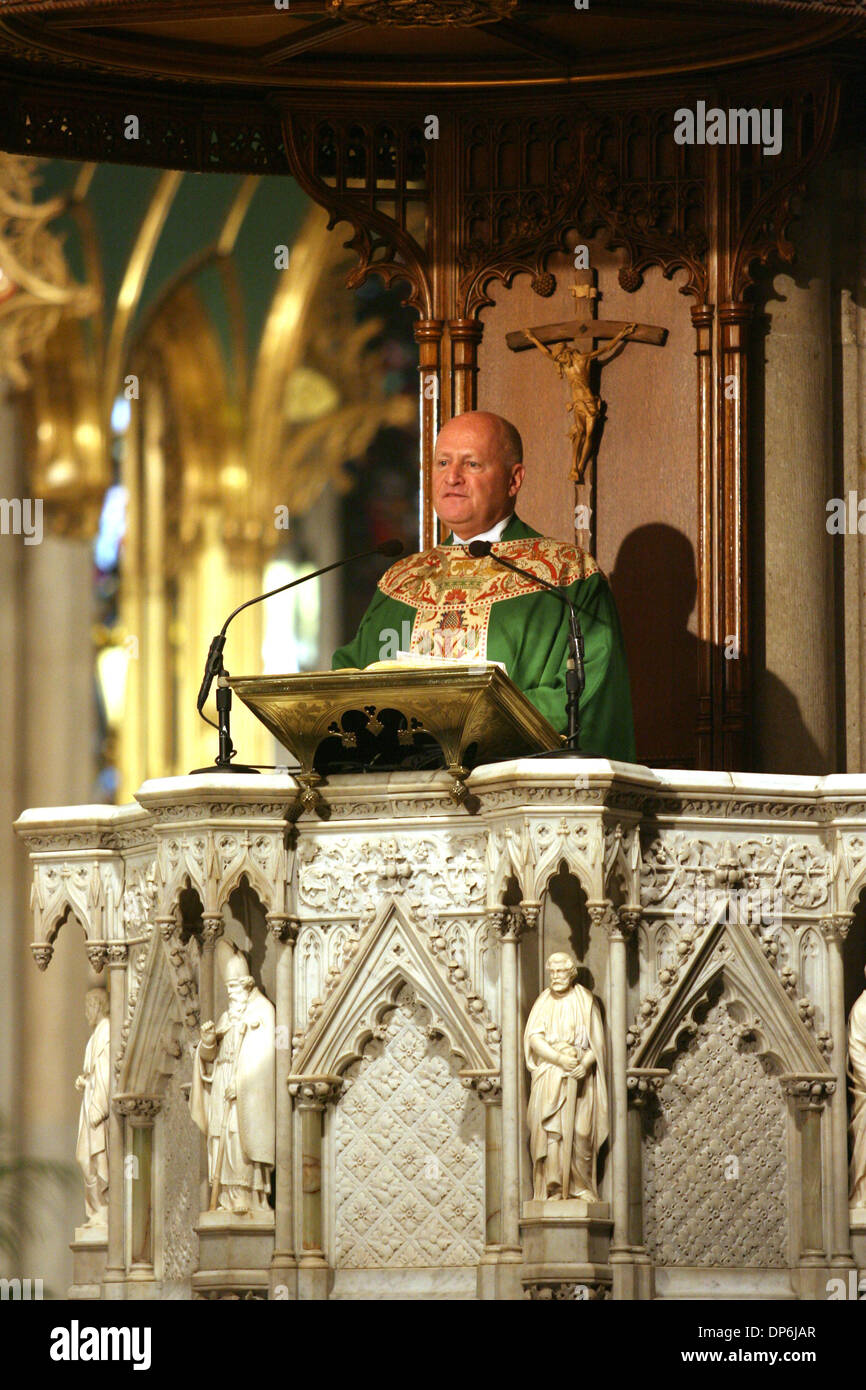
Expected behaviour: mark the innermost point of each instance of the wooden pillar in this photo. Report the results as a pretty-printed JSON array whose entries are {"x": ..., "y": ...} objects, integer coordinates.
[
  {"x": 428, "y": 336},
  {"x": 464, "y": 336},
  {"x": 734, "y": 751},
  {"x": 703, "y": 318}
]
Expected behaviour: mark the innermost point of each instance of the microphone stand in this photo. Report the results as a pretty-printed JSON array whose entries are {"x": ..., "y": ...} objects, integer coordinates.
[
  {"x": 575, "y": 673},
  {"x": 214, "y": 668}
]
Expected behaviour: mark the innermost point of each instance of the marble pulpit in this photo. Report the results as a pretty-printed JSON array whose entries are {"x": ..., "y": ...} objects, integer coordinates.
[{"x": 401, "y": 939}]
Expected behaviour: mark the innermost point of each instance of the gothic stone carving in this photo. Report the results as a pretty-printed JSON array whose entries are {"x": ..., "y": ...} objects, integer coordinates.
[
  {"x": 396, "y": 944},
  {"x": 409, "y": 1152},
  {"x": 342, "y": 875},
  {"x": 715, "y": 1163},
  {"x": 565, "y": 1291},
  {"x": 182, "y": 972},
  {"x": 178, "y": 1147},
  {"x": 680, "y": 871}
]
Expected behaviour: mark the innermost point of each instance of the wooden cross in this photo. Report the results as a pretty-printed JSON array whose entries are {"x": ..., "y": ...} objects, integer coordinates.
[{"x": 574, "y": 365}]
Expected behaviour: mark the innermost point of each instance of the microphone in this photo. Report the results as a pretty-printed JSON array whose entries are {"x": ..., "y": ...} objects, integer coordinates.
[
  {"x": 213, "y": 665},
  {"x": 575, "y": 675},
  {"x": 214, "y": 668}
]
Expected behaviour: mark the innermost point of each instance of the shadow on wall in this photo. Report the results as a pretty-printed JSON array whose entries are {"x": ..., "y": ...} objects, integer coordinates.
[{"x": 654, "y": 582}]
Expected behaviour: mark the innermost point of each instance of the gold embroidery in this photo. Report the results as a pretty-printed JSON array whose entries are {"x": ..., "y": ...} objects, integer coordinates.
[{"x": 454, "y": 593}]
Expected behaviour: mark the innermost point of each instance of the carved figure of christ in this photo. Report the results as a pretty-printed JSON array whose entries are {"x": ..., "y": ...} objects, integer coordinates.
[{"x": 573, "y": 365}]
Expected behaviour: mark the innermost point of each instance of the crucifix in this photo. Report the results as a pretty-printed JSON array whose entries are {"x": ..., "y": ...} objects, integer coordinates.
[{"x": 574, "y": 364}]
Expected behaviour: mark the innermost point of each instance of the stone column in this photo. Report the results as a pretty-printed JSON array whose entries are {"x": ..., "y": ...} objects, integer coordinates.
[
  {"x": 284, "y": 1266},
  {"x": 141, "y": 1112},
  {"x": 809, "y": 1095},
  {"x": 644, "y": 1084},
  {"x": 510, "y": 924},
  {"x": 835, "y": 930},
  {"x": 115, "y": 956},
  {"x": 488, "y": 1088},
  {"x": 619, "y": 926},
  {"x": 796, "y": 709},
  {"x": 14, "y": 876},
  {"x": 311, "y": 1094},
  {"x": 212, "y": 930}
]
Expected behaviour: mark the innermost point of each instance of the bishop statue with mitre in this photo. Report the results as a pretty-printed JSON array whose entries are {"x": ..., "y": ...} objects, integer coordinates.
[
  {"x": 458, "y": 607},
  {"x": 232, "y": 1099}
]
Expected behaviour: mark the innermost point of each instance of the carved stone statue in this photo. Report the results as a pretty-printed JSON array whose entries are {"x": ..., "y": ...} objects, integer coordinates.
[
  {"x": 568, "y": 1106},
  {"x": 585, "y": 406},
  {"x": 91, "y": 1150},
  {"x": 232, "y": 1099},
  {"x": 857, "y": 1073}
]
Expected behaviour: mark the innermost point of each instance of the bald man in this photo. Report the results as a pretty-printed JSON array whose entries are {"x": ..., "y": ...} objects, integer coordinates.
[{"x": 452, "y": 606}]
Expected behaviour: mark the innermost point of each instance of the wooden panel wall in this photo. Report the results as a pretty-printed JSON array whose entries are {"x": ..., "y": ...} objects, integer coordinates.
[{"x": 646, "y": 491}]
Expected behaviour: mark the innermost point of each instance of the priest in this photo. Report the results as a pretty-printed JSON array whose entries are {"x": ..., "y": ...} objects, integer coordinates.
[{"x": 446, "y": 603}]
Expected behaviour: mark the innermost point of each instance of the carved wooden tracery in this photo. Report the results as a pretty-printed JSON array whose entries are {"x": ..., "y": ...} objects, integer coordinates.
[
  {"x": 372, "y": 174},
  {"x": 527, "y": 182}
]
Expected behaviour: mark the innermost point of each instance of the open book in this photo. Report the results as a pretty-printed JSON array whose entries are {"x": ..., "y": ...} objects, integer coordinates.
[{"x": 409, "y": 659}]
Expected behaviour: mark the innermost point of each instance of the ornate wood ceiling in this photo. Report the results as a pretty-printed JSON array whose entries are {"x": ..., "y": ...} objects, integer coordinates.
[{"x": 406, "y": 44}]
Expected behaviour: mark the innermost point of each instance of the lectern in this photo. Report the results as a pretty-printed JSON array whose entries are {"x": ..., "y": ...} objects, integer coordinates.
[{"x": 458, "y": 714}]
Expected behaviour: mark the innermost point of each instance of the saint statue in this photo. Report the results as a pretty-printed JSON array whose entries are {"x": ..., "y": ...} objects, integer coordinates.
[
  {"x": 448, "y": 604},
  {"x": 568, "y": 1106},
  {"x": 857, "y": 1073},
  {"x": 233, "y": 1097},
  {"x": 91, "y": 1150},
  {"x": 585, "y": 405}
]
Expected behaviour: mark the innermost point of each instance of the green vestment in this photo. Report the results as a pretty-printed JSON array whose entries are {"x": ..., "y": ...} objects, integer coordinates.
[{"x": 442, "y": 602}]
